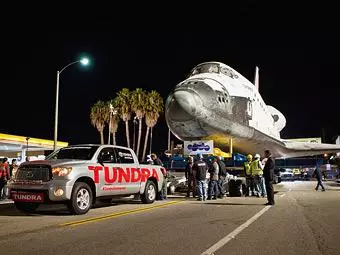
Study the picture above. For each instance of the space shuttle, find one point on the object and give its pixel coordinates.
(217, 103)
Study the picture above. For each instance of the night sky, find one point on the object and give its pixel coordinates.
(299, 71)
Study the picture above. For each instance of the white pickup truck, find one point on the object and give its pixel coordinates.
(81, 174)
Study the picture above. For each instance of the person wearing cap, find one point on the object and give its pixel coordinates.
(213, 191)
(190, 176)
(222, 176)
(156, 160)
(268, 173)
(201, 168)
(249, 178)
(257, 172)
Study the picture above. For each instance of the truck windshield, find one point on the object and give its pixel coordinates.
(79, 152)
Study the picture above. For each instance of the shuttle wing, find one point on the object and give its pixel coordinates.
(299, 149)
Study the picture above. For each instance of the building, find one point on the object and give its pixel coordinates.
(19, 147)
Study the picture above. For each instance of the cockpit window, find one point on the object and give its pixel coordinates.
(229, 72)
(206, 68)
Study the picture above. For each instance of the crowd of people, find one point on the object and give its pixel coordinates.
(7, 171)
(196, 175)
(259, 177)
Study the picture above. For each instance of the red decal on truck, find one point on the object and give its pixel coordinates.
(120, 175)
(112, 188)
(107, 175)
(135, 175)
(27, 196)
(145, 174)
(123, 173)
(154, 174)
(95, 170)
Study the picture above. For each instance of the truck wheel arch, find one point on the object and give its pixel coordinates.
(89, 182)
(154, 180)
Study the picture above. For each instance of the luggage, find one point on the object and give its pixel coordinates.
(235, 188)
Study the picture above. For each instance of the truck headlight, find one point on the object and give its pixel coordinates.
(61, 171)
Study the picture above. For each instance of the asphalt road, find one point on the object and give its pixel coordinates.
(303, 221)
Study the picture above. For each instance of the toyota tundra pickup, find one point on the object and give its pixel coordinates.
(79, 175)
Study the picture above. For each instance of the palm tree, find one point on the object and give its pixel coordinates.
(154, 105)
(99, 117)
(113, 121)
(123, 105)
(138, 100)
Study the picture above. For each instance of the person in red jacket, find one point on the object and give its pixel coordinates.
(4, 177)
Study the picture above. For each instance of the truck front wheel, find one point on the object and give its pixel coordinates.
(26, 207)
(150, 193)
(81, 198)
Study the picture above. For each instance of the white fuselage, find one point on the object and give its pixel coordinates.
(218, 103)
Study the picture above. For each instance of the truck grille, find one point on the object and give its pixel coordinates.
(34, 173)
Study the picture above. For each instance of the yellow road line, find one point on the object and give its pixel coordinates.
(110, 216)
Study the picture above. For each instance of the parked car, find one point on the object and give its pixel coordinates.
(287, 174)
(176, 184)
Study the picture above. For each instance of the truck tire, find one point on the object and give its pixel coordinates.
(150, 193)
(26, 207)
(81, 199)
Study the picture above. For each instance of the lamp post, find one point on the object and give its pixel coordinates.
(27, 138)
(115, 112)
(83, 61)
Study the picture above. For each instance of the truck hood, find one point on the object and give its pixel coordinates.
(58, 162)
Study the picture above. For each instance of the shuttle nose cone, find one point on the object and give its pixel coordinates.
(183, 105)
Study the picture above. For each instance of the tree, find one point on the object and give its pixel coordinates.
(113, 121)
(153, 107)
(123, 105)
(99, 117)
(138, 101)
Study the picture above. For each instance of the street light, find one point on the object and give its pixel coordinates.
(83, 61)
(27, 138)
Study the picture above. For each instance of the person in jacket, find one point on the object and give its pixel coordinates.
(268, 173)
(190, 176)
(318, 175)
(13, 168)
(249, 178)
(257, 174)
(4, 177)
(200, 167)
(222, 177)
(213, 183)
(156, 160)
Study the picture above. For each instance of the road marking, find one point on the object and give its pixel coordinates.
(233, 234)
(114, 215)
